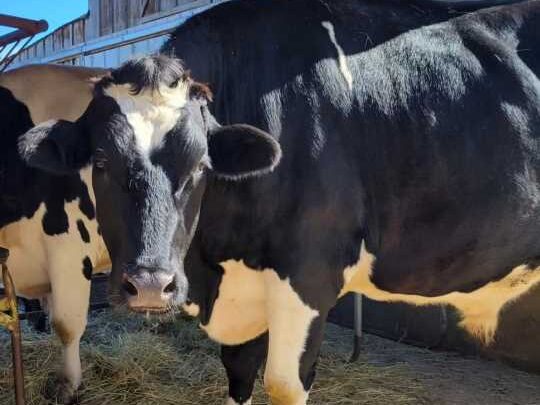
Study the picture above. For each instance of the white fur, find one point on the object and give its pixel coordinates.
(289, 321)
(251, 302)
(239, 312)
(231, 401)
(151, 114)
(342, 59)
(53, 270)
(480, 309)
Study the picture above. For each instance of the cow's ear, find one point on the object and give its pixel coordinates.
(240, 151)
(56, 146)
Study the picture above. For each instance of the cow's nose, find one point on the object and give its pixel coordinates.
(149, 290)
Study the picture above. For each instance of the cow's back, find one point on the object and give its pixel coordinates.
(52, 91)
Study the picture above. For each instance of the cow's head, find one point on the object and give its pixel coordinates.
(152, 142)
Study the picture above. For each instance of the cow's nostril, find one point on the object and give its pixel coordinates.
(129, 288)
(170, 288)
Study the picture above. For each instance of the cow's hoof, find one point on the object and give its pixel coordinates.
(58, 390)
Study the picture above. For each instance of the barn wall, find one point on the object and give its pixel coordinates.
(111, 32)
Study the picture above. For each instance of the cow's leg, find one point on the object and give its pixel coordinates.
(242, 363)
(68, 308)
(295, 335)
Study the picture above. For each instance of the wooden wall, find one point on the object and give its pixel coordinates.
(103, 18)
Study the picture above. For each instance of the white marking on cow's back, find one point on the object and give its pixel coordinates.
(151, 114)
(342, 59)
(479, 309)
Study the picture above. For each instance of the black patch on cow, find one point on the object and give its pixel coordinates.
(23, 189)
(85, 236)
(88, 268)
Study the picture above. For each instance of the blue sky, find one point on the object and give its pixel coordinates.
(56, 12)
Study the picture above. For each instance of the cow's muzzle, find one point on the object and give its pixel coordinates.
(149, 290)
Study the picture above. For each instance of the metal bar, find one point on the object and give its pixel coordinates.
(24, 24)
(6, 61)
(15, 328)
(358, 332)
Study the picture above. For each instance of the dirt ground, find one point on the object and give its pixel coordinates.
(450, 378)
(127, 361)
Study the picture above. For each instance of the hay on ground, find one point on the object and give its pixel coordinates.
(133, 361)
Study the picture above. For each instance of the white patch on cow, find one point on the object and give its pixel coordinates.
(231, 401)
(479, 309)
(53, 271)
(239, 312)
(151, 114)
(249, 303)
(342, 59)
(191, 309)
(289, 322)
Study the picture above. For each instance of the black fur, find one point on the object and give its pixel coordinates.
(432, 160)
(87, 268)
(85, 236)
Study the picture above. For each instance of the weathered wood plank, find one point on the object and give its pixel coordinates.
(135, 11)
(166, 5)
(57, 40)
(184, 5)
(92, 24)
(79, 31)
(151, 7)
(67, 36)
(49, 45)
(120, 14)
(106, 21)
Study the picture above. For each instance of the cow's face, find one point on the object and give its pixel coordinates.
(152, 142)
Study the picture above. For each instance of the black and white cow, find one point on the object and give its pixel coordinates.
(409, 171)
(133, 163)
(411, 166)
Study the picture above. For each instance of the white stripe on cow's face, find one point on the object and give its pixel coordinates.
(480, 309)
(342, 59)
(151, 114)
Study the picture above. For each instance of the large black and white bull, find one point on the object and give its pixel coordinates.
(129, 154)
(410, 171)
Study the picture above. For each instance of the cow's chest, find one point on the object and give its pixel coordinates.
(239, 312)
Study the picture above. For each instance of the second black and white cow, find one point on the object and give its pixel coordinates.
(124, 178)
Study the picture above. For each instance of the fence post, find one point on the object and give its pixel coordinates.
(357, 327)
(9, 318)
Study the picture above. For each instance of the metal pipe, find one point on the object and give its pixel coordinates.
(358, 330)
(10, 319)
(8, 58)
(24, 24)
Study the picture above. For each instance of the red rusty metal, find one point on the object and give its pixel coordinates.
(25, 28)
